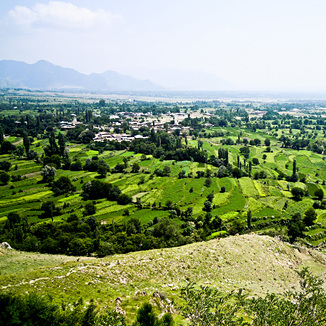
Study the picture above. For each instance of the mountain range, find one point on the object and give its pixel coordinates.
(44, 75)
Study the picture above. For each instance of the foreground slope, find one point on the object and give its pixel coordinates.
(259, 264)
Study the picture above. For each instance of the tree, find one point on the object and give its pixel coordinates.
(133, 226)
(146, 316)
(13, 219)
(102, 170)
(4, 177)
(5, 165)
(294, 167)
(257, 141)
(297, 193)
(48, 207)
(216, 223)
(7, 147)
(26, 143)
(296, 227)
(168, 204)
(125, 161)
(1, 136)
(207, 206)
(81, 247)
(86, 136)
(223, 172)
(305, 306)
(236, 172)
(223, 154)
(310, 216)
(249, 217)
(166, 170)
(30, 309)
(210, 197)
(250, 168)
(53, 147)
(97, 189)
(236, 227)
(119, 168)
(255, 161)
(267, 142)
(76, 166)
(62, 185)
(207, 306)
(52, 160)
(48, 173)
(208, 182)
(182, 174)
(124, 199)
(89, 209)
(135, 168)
(62, 144)
(319, 193)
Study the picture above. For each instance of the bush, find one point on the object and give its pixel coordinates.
(255, 161)
(124, 199)
(207, 306)
(319, 193)
(62, 185)
(4, 177)
(89, 209)
(105, 249)
(297, 193)
(5, 165)
(16, 177)
(97, 189)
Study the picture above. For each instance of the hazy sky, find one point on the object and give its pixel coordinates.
(275, 44)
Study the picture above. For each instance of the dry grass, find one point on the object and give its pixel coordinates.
(259, 264)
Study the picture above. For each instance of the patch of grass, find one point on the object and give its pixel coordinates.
(258, 264)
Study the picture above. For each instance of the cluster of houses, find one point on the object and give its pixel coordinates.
(136, 122)
(107, 136)
(66, 125)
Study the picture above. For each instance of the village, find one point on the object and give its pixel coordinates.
(136, 122)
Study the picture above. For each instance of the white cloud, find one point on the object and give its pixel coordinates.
(63, 15)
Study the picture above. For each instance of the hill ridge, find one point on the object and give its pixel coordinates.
(45, 75)
(259, 264)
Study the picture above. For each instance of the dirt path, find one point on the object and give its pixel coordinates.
(18, 142)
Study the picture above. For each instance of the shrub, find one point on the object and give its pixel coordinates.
(319, 193)
(124, 199)
(5, 165)
(62, 185)
(297, 193)
(4, 177)
(255, 161)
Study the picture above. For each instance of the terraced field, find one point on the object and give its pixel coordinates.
(267, 198)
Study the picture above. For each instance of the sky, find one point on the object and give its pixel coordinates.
(255, 44)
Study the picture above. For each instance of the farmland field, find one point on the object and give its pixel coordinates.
(191, 192)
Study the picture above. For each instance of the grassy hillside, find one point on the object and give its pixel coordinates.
(259, 264)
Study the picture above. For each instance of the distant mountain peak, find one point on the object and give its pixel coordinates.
(46, 76)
